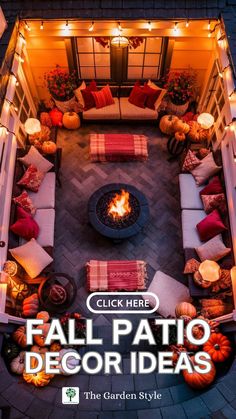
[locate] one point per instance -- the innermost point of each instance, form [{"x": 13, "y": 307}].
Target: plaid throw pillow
[
  {"x": 25, "y": 202},
  {"x": 211, "y": 202},
  {"x": 190, "y": 162}
]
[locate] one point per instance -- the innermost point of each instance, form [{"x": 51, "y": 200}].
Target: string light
[
  {"x": 149, "y": 26},
  {"x": 11, "y": 104},
  {"x": 66, "y": 28},
  {"x": 187, "y": 23},
  {"x": 230, "y": 125},
  {"x": 232, "y": 93},
  {"x": 209, "y": 25},
  {"x": 7, "y": 130},
  {"x": 22, "y": 37},
  {"x": 176, "y": 27},
  {"x": 91, "y": 27},
  {"x": 41, "y": 26},
  {"x": 119, "y": 27},
  {"x": 221, "y": 73},
  {"x": 27, "y": 26},
  {"x": 21, "y": 59}
]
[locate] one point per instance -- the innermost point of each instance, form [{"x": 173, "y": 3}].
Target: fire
[{"x": 120, "y": 206}]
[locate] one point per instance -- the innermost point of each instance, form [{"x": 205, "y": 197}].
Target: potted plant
[
  {"x": 61, "y": 85},
  {"x": 180, "y": 88}
]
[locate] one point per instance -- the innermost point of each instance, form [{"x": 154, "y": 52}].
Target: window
[
  {"x": 93, "y": 59},
  {"x": 145, "y": 61}
]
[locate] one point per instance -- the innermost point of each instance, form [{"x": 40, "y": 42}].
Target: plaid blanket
[
  {"x": 118, "y": 147},
  {"x": 116, "y": 275}
]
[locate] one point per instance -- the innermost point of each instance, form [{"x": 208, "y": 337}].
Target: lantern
[
  {"x": 209, "y": 270},
  {"x": 120, "y": 42},
  {"x": 206, "y": 120},
  {"x": 32, "y": 125}
]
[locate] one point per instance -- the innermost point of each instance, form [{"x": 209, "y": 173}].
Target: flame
[{"x": 120, "y": 206}]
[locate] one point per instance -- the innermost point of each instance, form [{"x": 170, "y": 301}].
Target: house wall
[
  {"x": 44, "y": 53},
  {"x": 195, "y": 53}
]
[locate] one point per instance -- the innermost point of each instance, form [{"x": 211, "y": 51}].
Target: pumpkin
[
  {"x": 10, "y": 350},
  {"x": 38, "y": 138},
  {"x": 197, "y": 134},
  {"x": 43, "y": 315},
  {"x": 49, "y": 147},
  {"x": 181, "y": 126},
  {"x": 57, "y": 294},
  {"x": 166, "y": 124},
  {"x": 177, "y": 349},
  {"x": 218, "y": 347},
  {"x": 45, "y": 119},
  {"x": 19, "y": 336},
  {"x": 180, "y": 136},
  {"x": 56, "y": 117},
  {"x": 55, "y": 347},
  {"x": 186, "y": 319},
  {"x": 18, "y": 364},
  {"x": 71, "y": 120},
  {"x": 197, "y": 380},
  {"x": 185, "y": 309},
  {"x": 190, "y": 346},
  {"x": 38, "y": 379},
  {"x": 71, "y": 361},
  {"x": 30, "y": 305},
  {"x": 39, "y": 349},
  {"x": 40, "y": 339}
]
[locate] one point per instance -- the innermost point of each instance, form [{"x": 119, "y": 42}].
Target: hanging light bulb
[
  {"x": 21, "y": 59},
  {"x": 41, "y": 26},
  {"x": 23, "y": 40},
  {"x": 66, "y": 28},
  {"x": 187, "y": 23},
  {"x": 176, "y": 28},
  {"x": 149, "y": 26},
  {"x": 91, "y": 27},
  {"x": 119, "y": 27},
  {"x": 209, "y": 25}
]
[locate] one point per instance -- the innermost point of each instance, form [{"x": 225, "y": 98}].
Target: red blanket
[
  {"x": 116, "y": 275},
  {"x": 118, "y": 147}
]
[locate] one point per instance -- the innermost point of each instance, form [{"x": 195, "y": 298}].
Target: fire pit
[{"x": 118, "y": 211}]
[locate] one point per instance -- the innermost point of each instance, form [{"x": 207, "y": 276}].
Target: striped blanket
[
  {"x": 116, "y": 275},
  {"x": 118, "y": 147}
]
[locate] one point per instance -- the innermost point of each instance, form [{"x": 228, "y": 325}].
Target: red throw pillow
[
  {"x": 214, "y": 187},
  {"x": 152, "y": 96},
  {"x": 31, "y": 179},
  {"x": 25, "y": 202},
  {"x": 138, "y": 96},
  {"x": 190, "y": 162},
  {"x": 56, "y": 117},
  {"x": 103, "y": 97},
  {"x": 25, "y": 226},
  {"x": 210, "y": 226},
  {"x": 89, "y": 101}
]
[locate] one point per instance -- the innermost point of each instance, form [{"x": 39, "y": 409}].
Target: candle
[{"x": 233, "y": 279}]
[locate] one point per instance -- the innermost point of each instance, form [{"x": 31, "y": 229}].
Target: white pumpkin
[
  {"x": 71, "y": 361},
  {"x": 18, "y": 364}
]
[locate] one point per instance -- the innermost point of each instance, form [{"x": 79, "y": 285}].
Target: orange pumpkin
[
  {"x": 181, "y": 126},
  {"x": 71, "y": 120},
  {"x": 177, "y": 349},
  {"x": 218, "y": 347},
  {"x": 43, "y": 315},
  {"x": 185, "y": 309},
  {"x": 30, "y": 305},
  {"x": 197, "y": 380},
  {"x": 190, "y": 346},
  {"x": 180, "y": 136},
  {"x": 40, "y": 339},
  {"x": 166, "y": 124},
  {"x": 19, "y": 336},
  {"x": 38, "y": 379},
  {"x": 49, "y": 147}
]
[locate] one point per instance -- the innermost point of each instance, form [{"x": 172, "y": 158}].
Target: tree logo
[{"x": 70, "y": 395}]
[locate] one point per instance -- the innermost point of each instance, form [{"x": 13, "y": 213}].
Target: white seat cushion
[
  {"x": 189, "y": 192},
  {"x": 45, "y": 197},
  {"x": 190, "y": 218},
  {"x": 46, "y": 221},
  {"x": 169, "y": 291},
  {"x": 108, "y": 112},
  {"x": 130, "y": 111}
]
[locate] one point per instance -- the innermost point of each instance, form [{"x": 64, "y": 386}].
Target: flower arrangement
[
  {"x": 60, "y": 83},
  {"x": 180, "y": 86}
]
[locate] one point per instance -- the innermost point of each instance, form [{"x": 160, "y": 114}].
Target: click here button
[{"x": 122, "y": 302}]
